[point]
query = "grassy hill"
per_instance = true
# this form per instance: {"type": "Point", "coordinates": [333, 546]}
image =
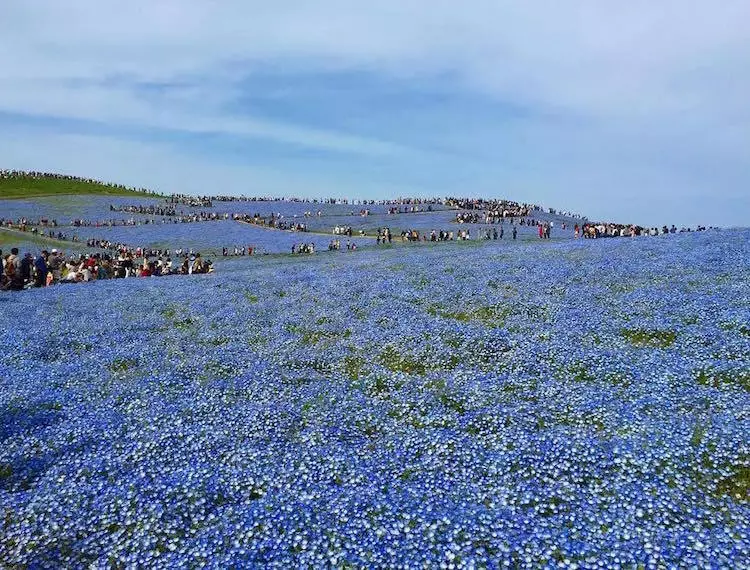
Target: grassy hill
{"type": "Point", "coordinates": [35, 186]}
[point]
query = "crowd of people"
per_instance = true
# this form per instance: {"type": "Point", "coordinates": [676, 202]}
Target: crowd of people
{"type": "Point", "coordinates": [384, 235]}
{"type": "Point", "coordinates": [494, 209]}
{"type": "Point", "coordinates": [602, 230]}
{"type": "Point", "coordinates": [28, 224]}
{"type": "Point", "coordinates": [237, 251]}
{"type": "Point", "coordinates": [303, 247]}
{"type": "Point", "coordinates": [275, 221]}
{"type": "Point", "coordinates": [335, 201]}
{"type": "Point", "coordinates": [54, 267]}
{"type": "Point", "coordinates": [335, 245]}
{"type": "Point", "coordinates": [190, 201]}
{"type": "Point", "coordinates": [410, 209]}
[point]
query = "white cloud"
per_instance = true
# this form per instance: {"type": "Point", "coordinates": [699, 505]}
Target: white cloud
{"type": "Point", "coordinates": [646, 81]}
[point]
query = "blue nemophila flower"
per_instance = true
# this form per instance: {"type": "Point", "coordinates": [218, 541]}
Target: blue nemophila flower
{"type": "Point", "coordinates": [574, 405]}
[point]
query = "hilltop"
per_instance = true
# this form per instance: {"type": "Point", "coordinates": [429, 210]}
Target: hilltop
{"type": "Point", "coordinates": [15, 184]}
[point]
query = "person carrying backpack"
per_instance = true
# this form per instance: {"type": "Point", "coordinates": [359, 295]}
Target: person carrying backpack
{"type": "Point", "coordinates": [13, 271]}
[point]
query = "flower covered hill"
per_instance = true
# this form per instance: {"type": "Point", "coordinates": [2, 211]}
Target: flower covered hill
{"type": "Point", "coordinates": [574, 403]}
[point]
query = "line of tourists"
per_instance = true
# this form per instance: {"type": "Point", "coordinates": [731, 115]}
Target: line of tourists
{"type": "Point", "coordinates": [409, 209]}
{"type": "Point", "coordinates": [237, 251]}
{"type": "Point", "coordinates": [335, 245]}
{"type": "Point", "coordinates": [274, 221]}
{"type": "Point", "coordinates": [602, 230]}
{"type": "Point", "coordinates": [169, 211]}
{"type": "Point", "coordinates": [24, 224]}
{"type": "Point", "coordinates": [333, 201]}
{"type": "Point", "coordinates": [491, 218]}
{"type": "Point", "coordinates": [303, 247]}
{"type": "Point", "coordinates": [494, 233]}
{"type": "Point", "coordinates": [190, 201]}
{"type": "Point", "coordinates": [54, 267]}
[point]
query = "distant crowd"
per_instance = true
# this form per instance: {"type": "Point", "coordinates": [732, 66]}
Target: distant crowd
{"type": "Point", "coordinates": [335, 245]}
{"type": "Point", "coordinates": [491, 209]}
{"type": "Point", "coordinates": [303, 247]}
{"type": "Point", "coordinates": [491, 217]}
{"type": "Point", "coordinates": [498, 209]}
{"type": "Point", "coordinates": [54, 267]}
{"type": "Point", "coordinates": [273, 221]}
{"type": "Point", "coordinates": [169, 211]}
{"type": "Point", "coordinates": [449, 235]}
{"type": "Point", "coordinates": [604, 230]}
{"type": "Point", "coordinates": [190, 201]}
{"type": "Point", "coordinates": [27, 224]}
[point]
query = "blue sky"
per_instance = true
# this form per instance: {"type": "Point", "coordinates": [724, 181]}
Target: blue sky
{"type": "Point", "coordinates": [632, 111]}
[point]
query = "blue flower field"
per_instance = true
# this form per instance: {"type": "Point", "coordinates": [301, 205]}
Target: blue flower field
{"type": "Point", "coordinates": [573, 403]}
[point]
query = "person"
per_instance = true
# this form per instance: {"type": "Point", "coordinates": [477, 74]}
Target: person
{"type": "Point", "coordinates": [13, 271]}
{"type": "Point", "coordinates": [54, 263]}
{"type": "Point", "coordinates": [40, 267]}
{"type": "Point", "coordinates": [198, 264]}
{"type": "Point", "coordinates": [515, 232]}
{"type": "Point", "coordinates": [26, 263]}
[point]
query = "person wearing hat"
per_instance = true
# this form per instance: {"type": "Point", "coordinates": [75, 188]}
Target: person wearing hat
{"type": "Point", "coordinates": [54, 264]}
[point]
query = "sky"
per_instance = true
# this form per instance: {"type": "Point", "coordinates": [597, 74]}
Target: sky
{"type": "Point", "coordinates": [635, 112]}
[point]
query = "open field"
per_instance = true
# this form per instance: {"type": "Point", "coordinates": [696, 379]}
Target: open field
{"type": "Point", "coordinates": [535, 404]}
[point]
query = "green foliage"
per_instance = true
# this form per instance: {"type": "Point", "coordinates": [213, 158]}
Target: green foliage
{"type": "Point", "coordinates": [314, 336]}
{"type": "Point", "coordinates": [579, 372]}
{"type": "Point", "coordinates": [699, 432]}
{"type": "Point", "coordinates": [649, 338]}
{"type": "Point", "coordinates": [737, 485]}
{"type": "Point", "coordinates": [123, 364]}
{"type": "Point", "coordinates": [170, 312]}
{"type": "Point", "coordinates": [394, 361]}
{"type": "Point", "coordinates": [491, 316]}
{"type": "Point", "coordinates": [739, 378]}
{"type": "Point", "coordinates": [353, 366]}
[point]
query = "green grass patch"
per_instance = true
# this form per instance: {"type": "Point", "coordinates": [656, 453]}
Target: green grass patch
{"type": "Point", "coordinates": [353, 366]}
{"type": "Point", "coordinates": [579, 372]}
{"type": "Point", "coordinates": [490, 315]}
{"type": "Point", "coordinates": [739, 378]}
{"type": "Point", "coordinates": [16, 238]}
{"type": "Point", "coordinates": [394, 361]}
{"type": "Point", "coordinates": [649, 338]}
{"type": "Point", "coordinates": [28, 187]}
{"type": "Point", "coordinates": [6, 471]}
{"type": "Point", "coordinates": [314, 336]}
{"type": "Point", "coordinates": [123, 364]}
{"type": "Point", "coordinates": [737, 485]}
